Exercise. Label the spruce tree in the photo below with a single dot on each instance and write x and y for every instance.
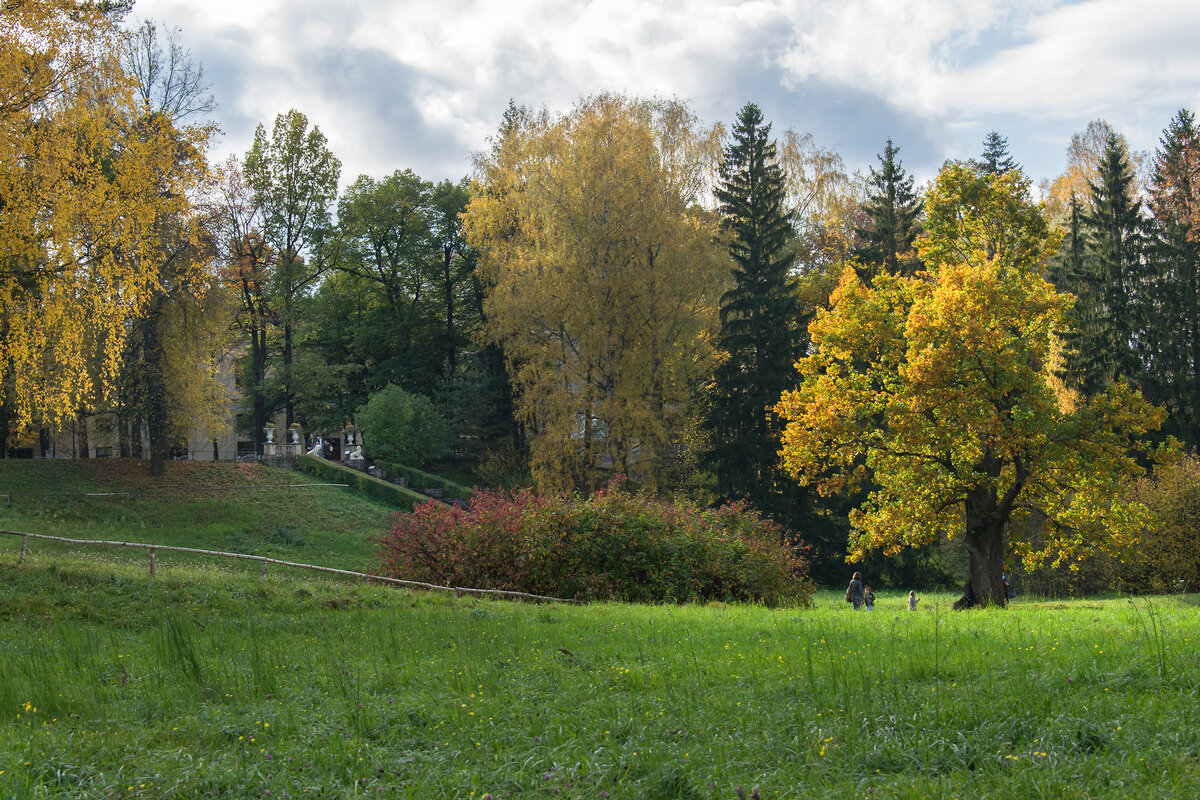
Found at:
(1109, 343)
(1173, 330)
(995, 159)
(758, 317)
(893, 210)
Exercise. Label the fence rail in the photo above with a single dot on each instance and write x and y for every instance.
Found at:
(153, 548)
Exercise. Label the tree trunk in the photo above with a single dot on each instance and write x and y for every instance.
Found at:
(984, 539)
(156, 392)
(84, 448)
(288, 400)
(259, 367)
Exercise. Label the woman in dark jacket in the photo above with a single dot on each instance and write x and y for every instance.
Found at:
(854, 592)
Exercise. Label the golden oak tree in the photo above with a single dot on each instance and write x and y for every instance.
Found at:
(602, 281)
(85, 174)
(934, 392)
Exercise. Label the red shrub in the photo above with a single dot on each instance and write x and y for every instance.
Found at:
(611, 545)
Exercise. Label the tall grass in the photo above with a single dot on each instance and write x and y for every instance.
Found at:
(214, 683)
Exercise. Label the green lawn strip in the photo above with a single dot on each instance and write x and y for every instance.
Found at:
(418, 479)
(208, 682)
(321, 525)
(399, 496)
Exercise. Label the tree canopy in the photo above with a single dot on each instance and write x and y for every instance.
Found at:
(933, 392)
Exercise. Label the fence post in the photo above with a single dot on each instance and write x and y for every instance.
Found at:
(152, 565)
(24, 539)
(264, 568)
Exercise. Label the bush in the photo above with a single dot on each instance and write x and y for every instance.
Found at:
(402, 427)
(611, 545)
(418, 479)
(380, 490)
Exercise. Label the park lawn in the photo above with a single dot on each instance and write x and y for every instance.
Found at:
(208, 682)
(236, 507)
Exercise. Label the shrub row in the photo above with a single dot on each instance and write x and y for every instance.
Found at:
(418, 479)
(380, 490)
(611, 545)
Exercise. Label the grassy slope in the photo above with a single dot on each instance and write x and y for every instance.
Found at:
(325, 526)
(207, 683)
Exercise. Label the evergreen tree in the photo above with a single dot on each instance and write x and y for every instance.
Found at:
(1110, 283)
(758, 317)
(995, 159)
(1173, 332)
(893, 210)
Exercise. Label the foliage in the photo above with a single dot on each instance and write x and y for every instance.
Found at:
(995, 159)
(402, 427)
(935, 390)
(85, 175)
(368, 485)
(419, 479)
(609, 545)
(1084, 153)
(602, 282)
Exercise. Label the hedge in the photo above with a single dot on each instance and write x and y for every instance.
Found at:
(418, 479)
(374, 487)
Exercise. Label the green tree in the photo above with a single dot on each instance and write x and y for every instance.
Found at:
(759, 315)
(294, 177)
(1107, 341)
(1173, 326)
(892, 210)
(995, 159)
(934, 391)
(402, 427)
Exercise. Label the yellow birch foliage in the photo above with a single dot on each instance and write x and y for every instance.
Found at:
(85, 173)
(602, 281)
(935, 391)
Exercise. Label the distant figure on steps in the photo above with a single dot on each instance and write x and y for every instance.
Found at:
(315, 450)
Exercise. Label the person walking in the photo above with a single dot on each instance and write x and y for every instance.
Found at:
(869, 599)
(912, 599)
(854, 592)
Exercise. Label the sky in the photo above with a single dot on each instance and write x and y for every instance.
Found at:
(398, 84)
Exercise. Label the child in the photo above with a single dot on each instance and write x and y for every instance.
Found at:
(869, 597)
(912, 600)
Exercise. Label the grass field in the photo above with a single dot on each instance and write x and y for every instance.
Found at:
(227, 506)
(209, 681)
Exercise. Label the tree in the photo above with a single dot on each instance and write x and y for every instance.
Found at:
(82, 185)
(402, 427)
(1173, 332)
(758, 316)
(1107, 341)
(170, 363)
(1084, 153)
(454, 272)
(294, 177)
(602, 283)
(995, 159)
(934, 391)
(892, 210)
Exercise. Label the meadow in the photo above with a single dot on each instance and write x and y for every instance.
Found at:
(207, 682)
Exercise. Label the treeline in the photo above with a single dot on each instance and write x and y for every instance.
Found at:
(619, 289)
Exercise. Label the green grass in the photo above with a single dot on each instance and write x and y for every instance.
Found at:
(207, 682)
(191, 507)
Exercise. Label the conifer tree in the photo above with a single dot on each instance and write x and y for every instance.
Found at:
(995, 159)
(1173, 332)
(893, 210)
(1110, 284)
(758, 316)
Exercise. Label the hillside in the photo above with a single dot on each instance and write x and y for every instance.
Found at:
(237, 507)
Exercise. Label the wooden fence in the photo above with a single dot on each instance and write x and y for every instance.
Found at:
(153, 548)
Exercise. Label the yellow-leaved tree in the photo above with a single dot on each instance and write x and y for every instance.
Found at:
(934, 392)
(602, 282)
(85, 175)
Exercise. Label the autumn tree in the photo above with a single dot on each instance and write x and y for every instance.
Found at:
(758, 315)
(82, 183)
(892, 211)
(1084, 153)
(294, 177)
(602, 282)
(933, 392)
